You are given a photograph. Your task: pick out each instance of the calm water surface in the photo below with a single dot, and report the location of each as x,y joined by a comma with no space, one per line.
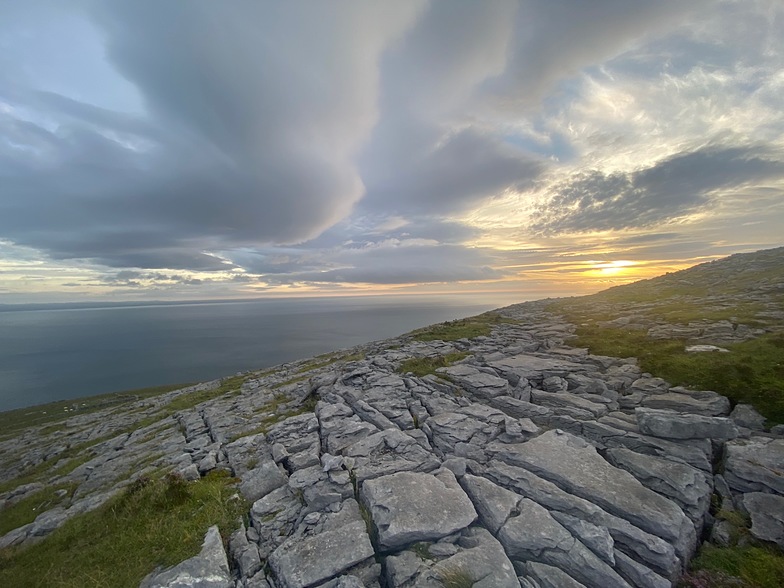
48,355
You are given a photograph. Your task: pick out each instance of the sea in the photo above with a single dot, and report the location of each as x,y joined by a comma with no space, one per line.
63,353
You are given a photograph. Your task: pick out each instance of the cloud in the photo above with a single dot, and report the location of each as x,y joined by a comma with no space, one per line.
595,201
380,142
407,262
257,111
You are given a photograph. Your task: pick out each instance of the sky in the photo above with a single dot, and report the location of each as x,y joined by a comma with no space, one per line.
518,149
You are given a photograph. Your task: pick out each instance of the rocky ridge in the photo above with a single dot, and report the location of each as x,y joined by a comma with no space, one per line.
526,463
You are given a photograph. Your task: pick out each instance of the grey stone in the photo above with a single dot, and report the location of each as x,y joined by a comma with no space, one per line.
521,409
484,560
549,576
767,516
637,574
190,473
672,425
387,452
745,415
582,407
705,349
480,384
261,480
402,568
457,465
755,465
709,405
300,561
535,368
689,487
648,548
408,507
695,453
209,569
722,534
494,504
535,535
574,465
594,537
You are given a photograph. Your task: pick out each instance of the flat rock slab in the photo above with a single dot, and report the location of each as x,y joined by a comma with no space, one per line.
767,516
261,480
710,405
532,367
408,507
756,465
689,487
574,465
672,425
209,569
301,562
534,535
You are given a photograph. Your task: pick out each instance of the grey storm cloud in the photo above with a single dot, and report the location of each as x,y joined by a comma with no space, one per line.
298,139
594,201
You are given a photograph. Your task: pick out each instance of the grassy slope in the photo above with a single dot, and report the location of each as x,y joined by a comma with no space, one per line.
731,289
154,523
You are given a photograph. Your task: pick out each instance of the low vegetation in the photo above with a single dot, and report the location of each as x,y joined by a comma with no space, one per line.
753,371
26,510
14,421
421,366
468,328
456,577
155,522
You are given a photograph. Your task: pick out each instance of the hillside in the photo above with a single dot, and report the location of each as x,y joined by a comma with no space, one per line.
524,447
735,304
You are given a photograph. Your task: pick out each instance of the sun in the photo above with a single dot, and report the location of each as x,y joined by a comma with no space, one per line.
613,268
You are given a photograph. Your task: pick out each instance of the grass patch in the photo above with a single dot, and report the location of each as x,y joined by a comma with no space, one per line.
154,523
468,328
13,421
757,567
276,415
752,372
186,401
421,366
456,577
26,510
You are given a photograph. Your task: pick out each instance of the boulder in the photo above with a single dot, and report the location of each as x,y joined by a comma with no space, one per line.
755,465
689,487
534,535
649,549
708,403
746,416
574,465
306,561
407,507
671,425
767,516
209,569
261,480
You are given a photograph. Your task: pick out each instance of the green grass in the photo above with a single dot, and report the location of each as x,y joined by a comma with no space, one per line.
186,401
752,372
13,421
468,328
757,567
456,577
421,366
26,510
154,523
